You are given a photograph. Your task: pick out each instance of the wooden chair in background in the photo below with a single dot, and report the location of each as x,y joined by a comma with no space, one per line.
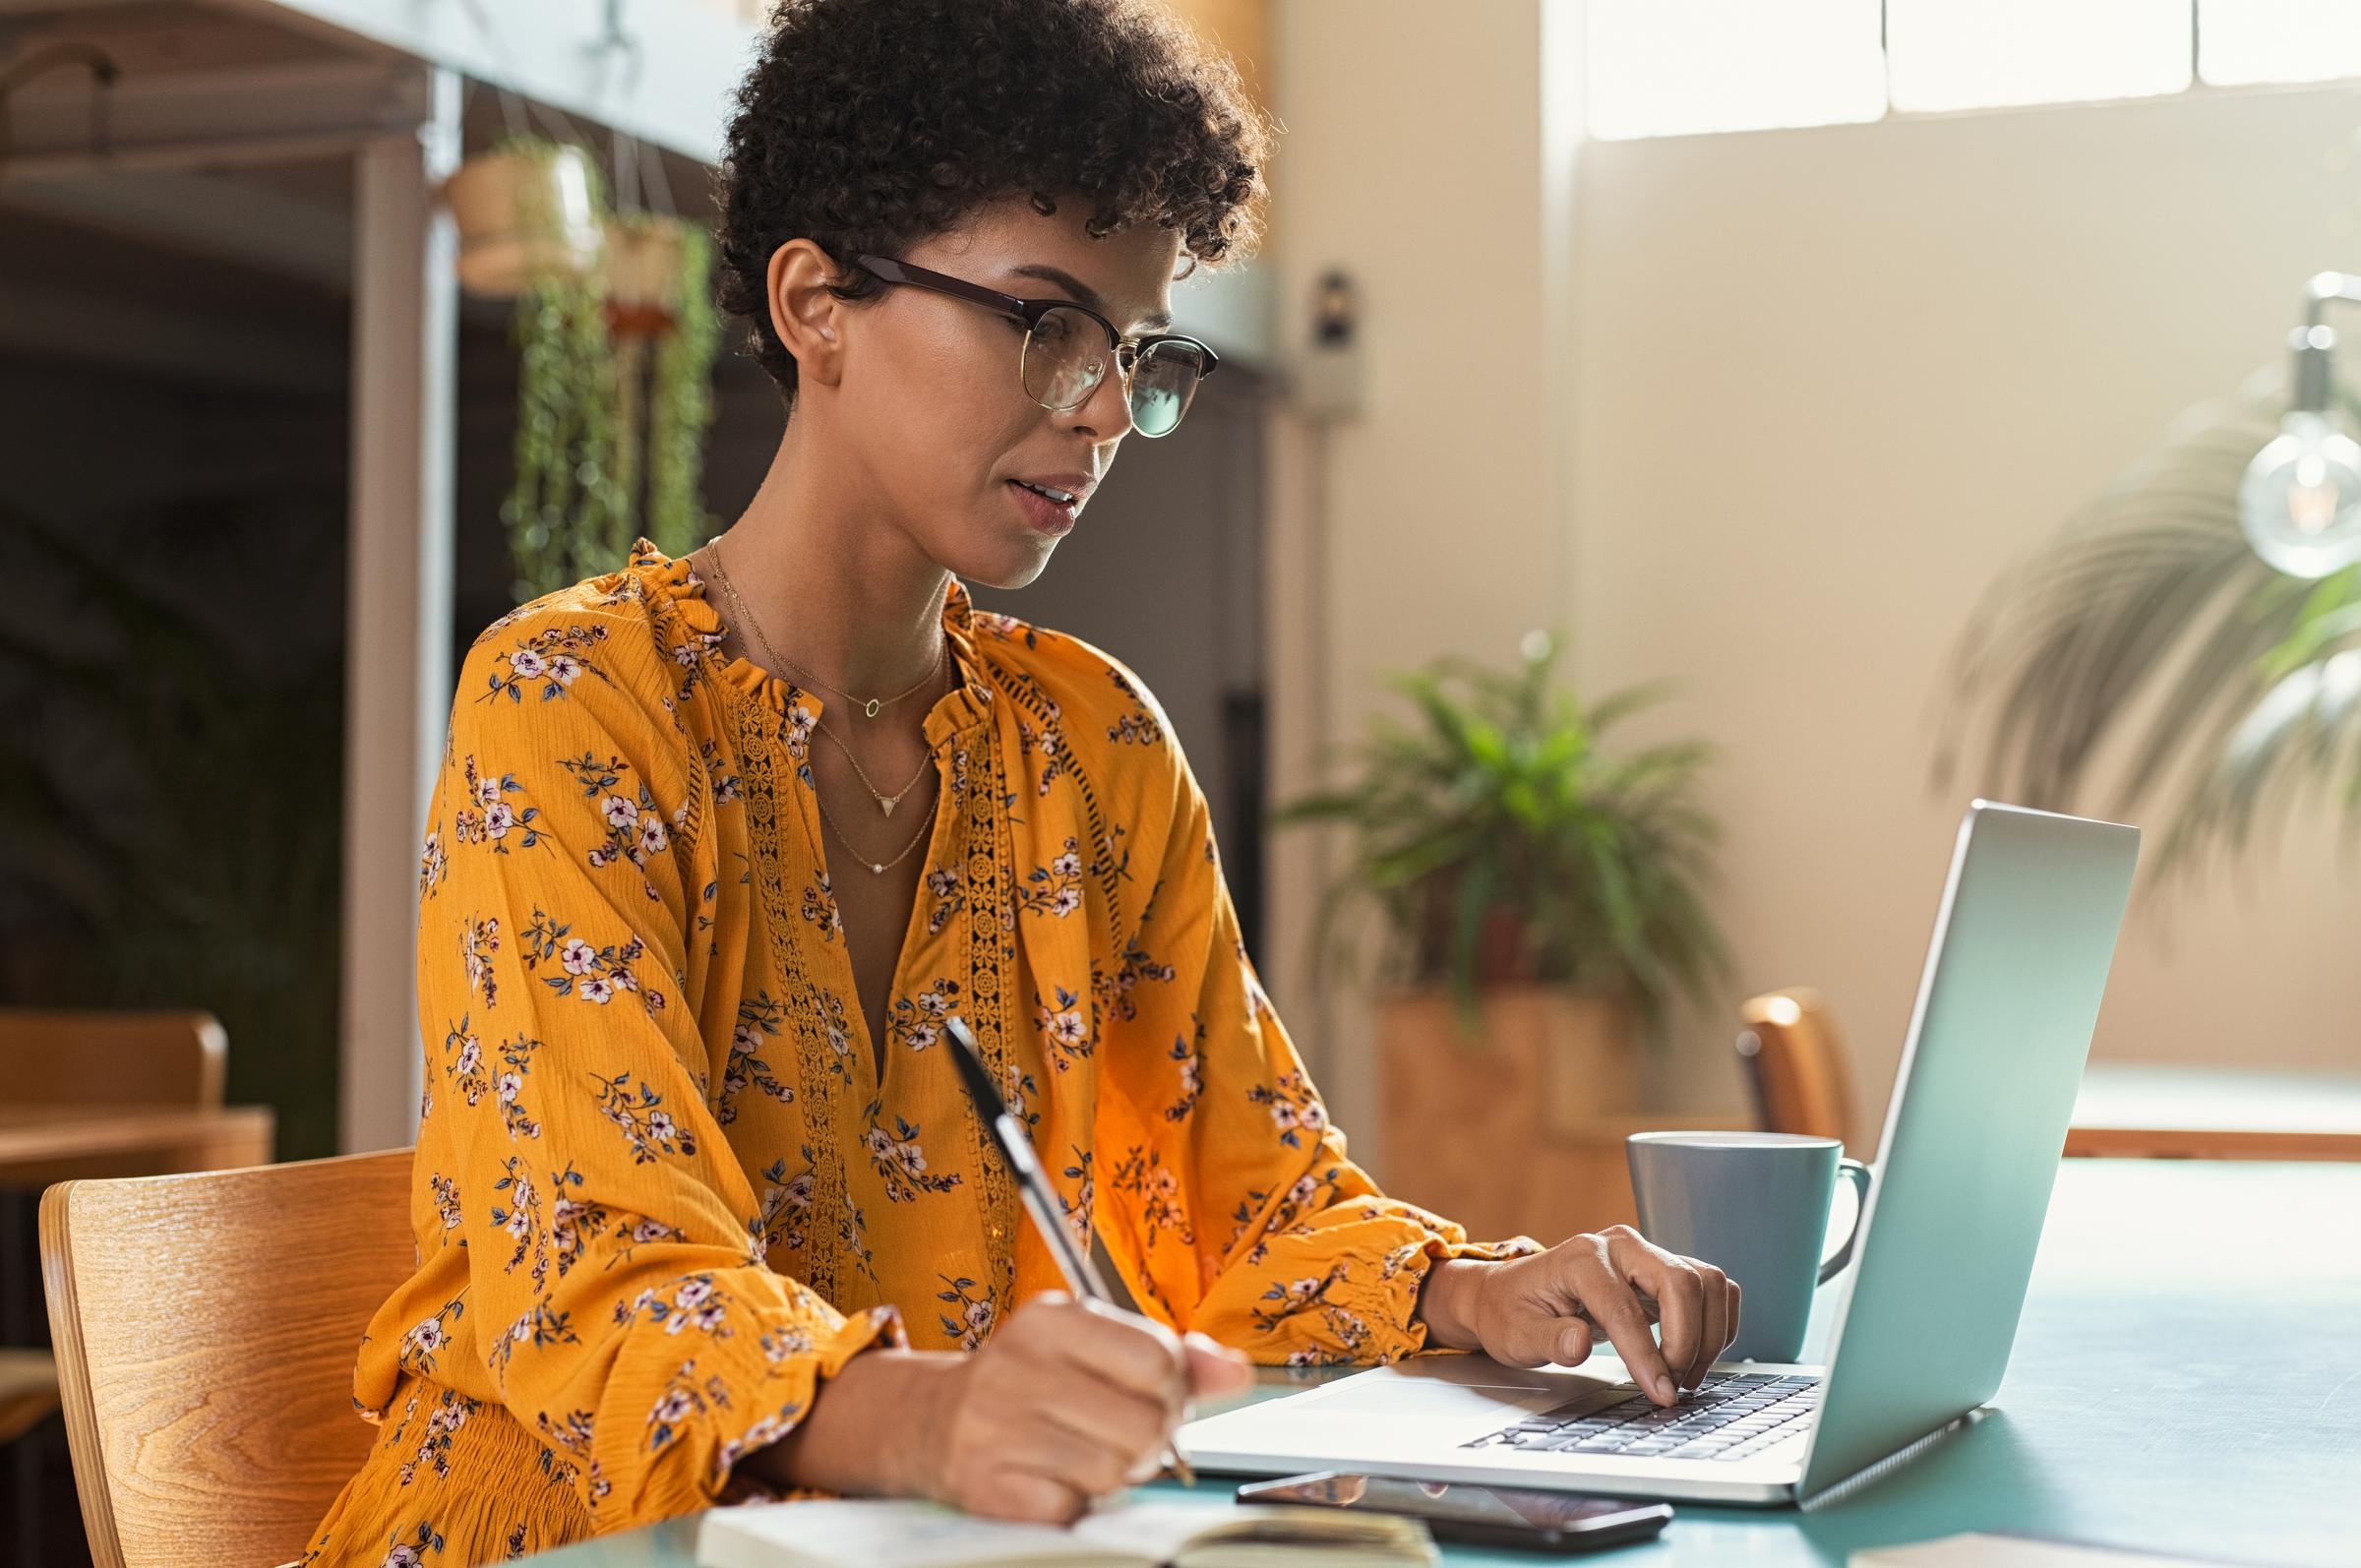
206,1327
1794,1062
68,1056
126,1079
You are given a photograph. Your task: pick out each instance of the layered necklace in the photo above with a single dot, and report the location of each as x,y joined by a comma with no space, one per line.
868,708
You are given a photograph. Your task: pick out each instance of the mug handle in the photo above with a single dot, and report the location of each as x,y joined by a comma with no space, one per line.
1859,1175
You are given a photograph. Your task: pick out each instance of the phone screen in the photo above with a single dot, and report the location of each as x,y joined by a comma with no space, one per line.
1454,1503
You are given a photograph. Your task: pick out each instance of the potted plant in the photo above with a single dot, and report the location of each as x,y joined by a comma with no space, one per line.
567,511
615,335
1542,900
524,211
659,310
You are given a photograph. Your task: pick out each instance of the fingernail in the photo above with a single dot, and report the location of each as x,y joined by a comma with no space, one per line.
1665,1389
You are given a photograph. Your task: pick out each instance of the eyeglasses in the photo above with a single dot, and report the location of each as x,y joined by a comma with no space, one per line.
1068,347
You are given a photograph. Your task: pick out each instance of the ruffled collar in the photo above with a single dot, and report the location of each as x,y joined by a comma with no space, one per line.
676,583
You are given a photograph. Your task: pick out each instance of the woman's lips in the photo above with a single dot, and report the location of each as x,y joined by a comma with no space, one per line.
1044,515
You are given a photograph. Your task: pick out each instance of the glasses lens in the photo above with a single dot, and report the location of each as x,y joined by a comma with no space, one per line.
1067,356
1163,381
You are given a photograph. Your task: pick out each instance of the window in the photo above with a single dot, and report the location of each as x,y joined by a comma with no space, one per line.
1947,54
1669,67
2278,40
1681,67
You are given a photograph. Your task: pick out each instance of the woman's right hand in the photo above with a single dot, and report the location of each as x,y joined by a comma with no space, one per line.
1066,1402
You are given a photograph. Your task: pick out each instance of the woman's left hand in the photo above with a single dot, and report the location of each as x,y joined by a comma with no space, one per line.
1551,1306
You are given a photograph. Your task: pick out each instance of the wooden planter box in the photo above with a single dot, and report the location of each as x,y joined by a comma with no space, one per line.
1520,1129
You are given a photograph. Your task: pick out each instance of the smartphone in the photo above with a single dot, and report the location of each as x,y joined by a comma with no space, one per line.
1478,1515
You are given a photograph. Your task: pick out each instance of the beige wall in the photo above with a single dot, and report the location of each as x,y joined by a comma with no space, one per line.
1834,381
1819,387
1412,157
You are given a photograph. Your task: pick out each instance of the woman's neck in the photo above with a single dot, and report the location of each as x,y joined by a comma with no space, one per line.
834,588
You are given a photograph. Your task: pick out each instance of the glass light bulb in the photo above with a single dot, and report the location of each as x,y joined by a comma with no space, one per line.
2300,501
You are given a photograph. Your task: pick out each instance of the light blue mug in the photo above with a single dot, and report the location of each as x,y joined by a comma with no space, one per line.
1756,1206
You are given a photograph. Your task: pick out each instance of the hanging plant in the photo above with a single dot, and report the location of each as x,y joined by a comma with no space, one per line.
526,210
565,509
567,514
681,405
614,366
660,309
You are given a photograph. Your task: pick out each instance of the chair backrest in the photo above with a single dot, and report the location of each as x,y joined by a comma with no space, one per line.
206,1327
58,1056
1794,1059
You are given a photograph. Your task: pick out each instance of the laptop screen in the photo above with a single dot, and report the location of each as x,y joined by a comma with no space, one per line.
2007,1003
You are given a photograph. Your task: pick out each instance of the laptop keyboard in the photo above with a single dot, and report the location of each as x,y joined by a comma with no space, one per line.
1731,1416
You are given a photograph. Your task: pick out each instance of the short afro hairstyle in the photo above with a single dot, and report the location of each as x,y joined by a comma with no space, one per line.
870,125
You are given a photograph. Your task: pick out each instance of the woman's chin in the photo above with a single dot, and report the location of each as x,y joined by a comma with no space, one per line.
1010,563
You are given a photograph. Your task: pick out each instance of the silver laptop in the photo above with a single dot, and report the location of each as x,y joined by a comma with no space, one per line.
2006,1006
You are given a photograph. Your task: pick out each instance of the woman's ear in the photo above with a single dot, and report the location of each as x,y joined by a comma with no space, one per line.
803,313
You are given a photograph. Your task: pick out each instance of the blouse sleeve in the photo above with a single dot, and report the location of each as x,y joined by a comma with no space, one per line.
1239,1212
616,1289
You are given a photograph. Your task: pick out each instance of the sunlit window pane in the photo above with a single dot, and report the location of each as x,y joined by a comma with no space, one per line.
1950,55
1673,67
2278,40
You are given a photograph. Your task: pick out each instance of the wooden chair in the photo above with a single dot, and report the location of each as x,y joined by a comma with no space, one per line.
28,1390
75,1056
57,1056
1794,1061
206,1327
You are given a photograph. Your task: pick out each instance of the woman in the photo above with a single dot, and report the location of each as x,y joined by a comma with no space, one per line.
721,842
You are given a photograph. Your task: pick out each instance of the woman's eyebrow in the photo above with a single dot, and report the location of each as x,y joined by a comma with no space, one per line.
1082,292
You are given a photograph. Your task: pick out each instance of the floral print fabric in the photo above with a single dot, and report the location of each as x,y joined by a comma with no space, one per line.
665,1185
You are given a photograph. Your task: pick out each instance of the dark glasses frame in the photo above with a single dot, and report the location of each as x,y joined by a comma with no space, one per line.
1127,350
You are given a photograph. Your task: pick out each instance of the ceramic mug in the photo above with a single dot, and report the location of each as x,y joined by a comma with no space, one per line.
1756,1206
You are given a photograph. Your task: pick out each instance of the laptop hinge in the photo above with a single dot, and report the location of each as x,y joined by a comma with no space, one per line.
1860,1480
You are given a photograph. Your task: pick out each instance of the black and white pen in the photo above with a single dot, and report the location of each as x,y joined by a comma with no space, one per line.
1033,1186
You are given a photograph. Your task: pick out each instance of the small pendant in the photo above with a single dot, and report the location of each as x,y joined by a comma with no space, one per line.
880,869
871,707
886,803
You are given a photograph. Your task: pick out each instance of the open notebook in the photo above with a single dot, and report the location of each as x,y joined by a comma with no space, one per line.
862,1533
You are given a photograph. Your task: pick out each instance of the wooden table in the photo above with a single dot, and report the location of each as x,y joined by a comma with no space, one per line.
2156,1110
2186,1380
41,1144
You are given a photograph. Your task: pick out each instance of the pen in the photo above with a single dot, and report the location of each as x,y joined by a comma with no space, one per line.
1041,1202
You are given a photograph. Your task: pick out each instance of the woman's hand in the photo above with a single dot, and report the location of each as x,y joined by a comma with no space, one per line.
1551,1306
1066,1401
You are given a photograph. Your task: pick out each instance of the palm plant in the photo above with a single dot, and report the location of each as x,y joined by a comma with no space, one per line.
2150,644
1501,842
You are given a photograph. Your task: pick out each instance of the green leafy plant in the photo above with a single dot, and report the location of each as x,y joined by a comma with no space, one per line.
568,512
172,793
1502,842
680,403
2149,657
614,395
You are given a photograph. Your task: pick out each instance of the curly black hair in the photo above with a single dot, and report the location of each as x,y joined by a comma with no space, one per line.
870,125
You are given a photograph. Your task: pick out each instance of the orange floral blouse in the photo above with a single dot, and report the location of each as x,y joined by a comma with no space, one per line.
662,1186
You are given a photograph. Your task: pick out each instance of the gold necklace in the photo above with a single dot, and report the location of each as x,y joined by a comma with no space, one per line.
881,868
886,802
868,706
721,572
